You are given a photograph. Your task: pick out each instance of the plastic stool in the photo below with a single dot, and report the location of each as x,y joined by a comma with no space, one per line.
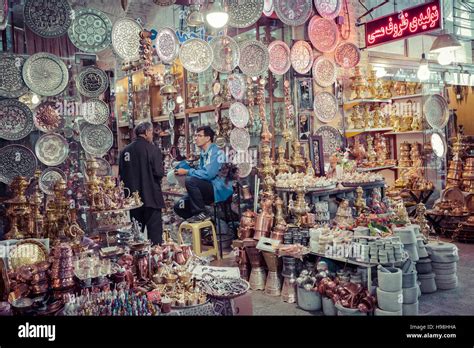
196,228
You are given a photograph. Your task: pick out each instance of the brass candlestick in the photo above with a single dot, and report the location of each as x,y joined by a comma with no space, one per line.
19,211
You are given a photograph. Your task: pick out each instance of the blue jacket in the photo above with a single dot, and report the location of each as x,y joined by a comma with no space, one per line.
210,162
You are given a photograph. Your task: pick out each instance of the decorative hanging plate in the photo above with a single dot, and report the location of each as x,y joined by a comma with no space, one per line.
96,139
92,82
245,168
47,117
323,34
47,18
347,55
438,144
239,115
96,111
268,7
167,45
332,139
45,74
27,252
16,160
294,12
254,58
244,13
453,194
279,57
328,8
196,55
325,106
237,86
11,81
301,57
226,52
16,120
91,30
324,71
52,149
240,139
126,39
436,111
48,179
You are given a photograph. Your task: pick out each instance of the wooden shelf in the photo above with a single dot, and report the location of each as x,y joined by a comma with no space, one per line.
366,101
353,132
374,169
407,96
409,132
226,105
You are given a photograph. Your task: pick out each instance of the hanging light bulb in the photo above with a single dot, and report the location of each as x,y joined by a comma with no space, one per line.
179,99
423,71
380,72
217,17
35,99
446,57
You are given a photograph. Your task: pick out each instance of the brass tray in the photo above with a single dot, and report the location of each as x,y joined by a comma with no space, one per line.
27,252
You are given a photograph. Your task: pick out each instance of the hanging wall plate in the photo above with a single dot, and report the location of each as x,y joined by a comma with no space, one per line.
237,86
325,106
302,57
52,149
91,30
268,7
438,144
167,45
226,53
47,18
254,58
328,8
47,117
239,115
16,120
295,12
48,179
11,80
244,13
280,62
45,74
92,82
436,111
324,71
16,160
347,55
96,139
196,55
332,139
126,39
96,111
323,34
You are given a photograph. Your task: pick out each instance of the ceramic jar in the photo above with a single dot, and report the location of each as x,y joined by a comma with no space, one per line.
390,281
389,301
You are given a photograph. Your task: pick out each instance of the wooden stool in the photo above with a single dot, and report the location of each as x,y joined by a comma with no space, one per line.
196,231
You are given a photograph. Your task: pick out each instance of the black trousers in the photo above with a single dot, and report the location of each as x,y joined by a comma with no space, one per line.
151,218
200,193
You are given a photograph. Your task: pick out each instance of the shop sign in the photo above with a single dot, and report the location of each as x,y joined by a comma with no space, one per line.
406,23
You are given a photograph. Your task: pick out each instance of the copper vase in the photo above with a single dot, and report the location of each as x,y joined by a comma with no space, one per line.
263,226
257,275
288,292
273,283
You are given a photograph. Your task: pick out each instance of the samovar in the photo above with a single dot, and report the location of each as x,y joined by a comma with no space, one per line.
373,85
264,221
273,282
379,118
297,160
300,208
368,120
400,88
257,275
358,85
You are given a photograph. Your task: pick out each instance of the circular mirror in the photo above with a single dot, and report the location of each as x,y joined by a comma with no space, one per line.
438,144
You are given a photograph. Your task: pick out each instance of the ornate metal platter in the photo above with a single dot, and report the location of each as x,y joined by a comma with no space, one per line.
167,45
332,139
96,139
294,12
347,55
3,14
92,82
226,52
52,149
47,18
45,74
268,7
237,86
328,8
91,30
436,111
27,252
301,57
240,139
96,111
325,106
164,2
244,13
16,120
239,115
48,178
196,55
280,61
47,117
323,34
245,167
254,58
16,160
453,194
324,71
11,81
126,39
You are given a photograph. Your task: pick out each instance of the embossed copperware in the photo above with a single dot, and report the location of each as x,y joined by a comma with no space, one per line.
273,283
45,74
257,275
96,139
47,18
324,71
167,45
280,61
16,160
301,56
16,120
47,117
237,86
91,30
294,13
347,55
52,149
11,80
323,34
254,58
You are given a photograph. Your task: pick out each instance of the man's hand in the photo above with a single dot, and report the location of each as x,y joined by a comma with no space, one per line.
181,171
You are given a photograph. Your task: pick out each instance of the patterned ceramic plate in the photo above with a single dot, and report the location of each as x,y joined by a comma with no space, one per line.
323,34
96,111
16,160
45,74
332,139
126,39
91,30
47,18
244,13
52,149
11,81
47,117
48,179
436,111
294,12
226,53
301,57
16,120
347,55
92,82
325,106
167,45
96,139
196,55
239,115
268,7
240,139
245,168
279,57
254,58
237,86
324,71
328,8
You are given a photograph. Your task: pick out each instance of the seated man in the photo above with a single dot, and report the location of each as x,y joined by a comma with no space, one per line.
204,184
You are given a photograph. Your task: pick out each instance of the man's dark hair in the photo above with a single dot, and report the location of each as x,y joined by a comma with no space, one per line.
142,128
208,132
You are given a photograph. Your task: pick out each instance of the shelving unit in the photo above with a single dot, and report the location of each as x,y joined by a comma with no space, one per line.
375,169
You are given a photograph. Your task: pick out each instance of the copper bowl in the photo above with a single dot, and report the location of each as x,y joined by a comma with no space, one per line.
40,288
38,278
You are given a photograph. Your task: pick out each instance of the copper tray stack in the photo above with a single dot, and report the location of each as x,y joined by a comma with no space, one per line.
468,175
62,273
405,160
454,173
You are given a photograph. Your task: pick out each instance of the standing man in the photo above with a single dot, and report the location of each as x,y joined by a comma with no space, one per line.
141,169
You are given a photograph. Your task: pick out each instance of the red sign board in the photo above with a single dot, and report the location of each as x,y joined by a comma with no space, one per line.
406,23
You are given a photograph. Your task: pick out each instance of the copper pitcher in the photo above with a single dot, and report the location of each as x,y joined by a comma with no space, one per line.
246,194
263,225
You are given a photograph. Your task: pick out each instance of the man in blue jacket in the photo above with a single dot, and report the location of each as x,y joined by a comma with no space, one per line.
204,185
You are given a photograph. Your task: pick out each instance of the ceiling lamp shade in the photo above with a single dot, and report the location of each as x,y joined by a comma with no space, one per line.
445,42
216,16
168,90
195,18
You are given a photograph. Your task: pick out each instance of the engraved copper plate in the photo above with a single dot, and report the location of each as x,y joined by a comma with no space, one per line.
294,12
47,117
325,106
268,7
91,30
52,149
11,81
47,18
48,179
16,120
92,82
453,194
126,39
244,13
226,53
27,252
96,111
167,45
324,71
239,114
280,61
16,160
45,74
237,86
332,139
323,34
96,139
301,57
254,58
436,111
347,55
328,8
196,55
240,139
